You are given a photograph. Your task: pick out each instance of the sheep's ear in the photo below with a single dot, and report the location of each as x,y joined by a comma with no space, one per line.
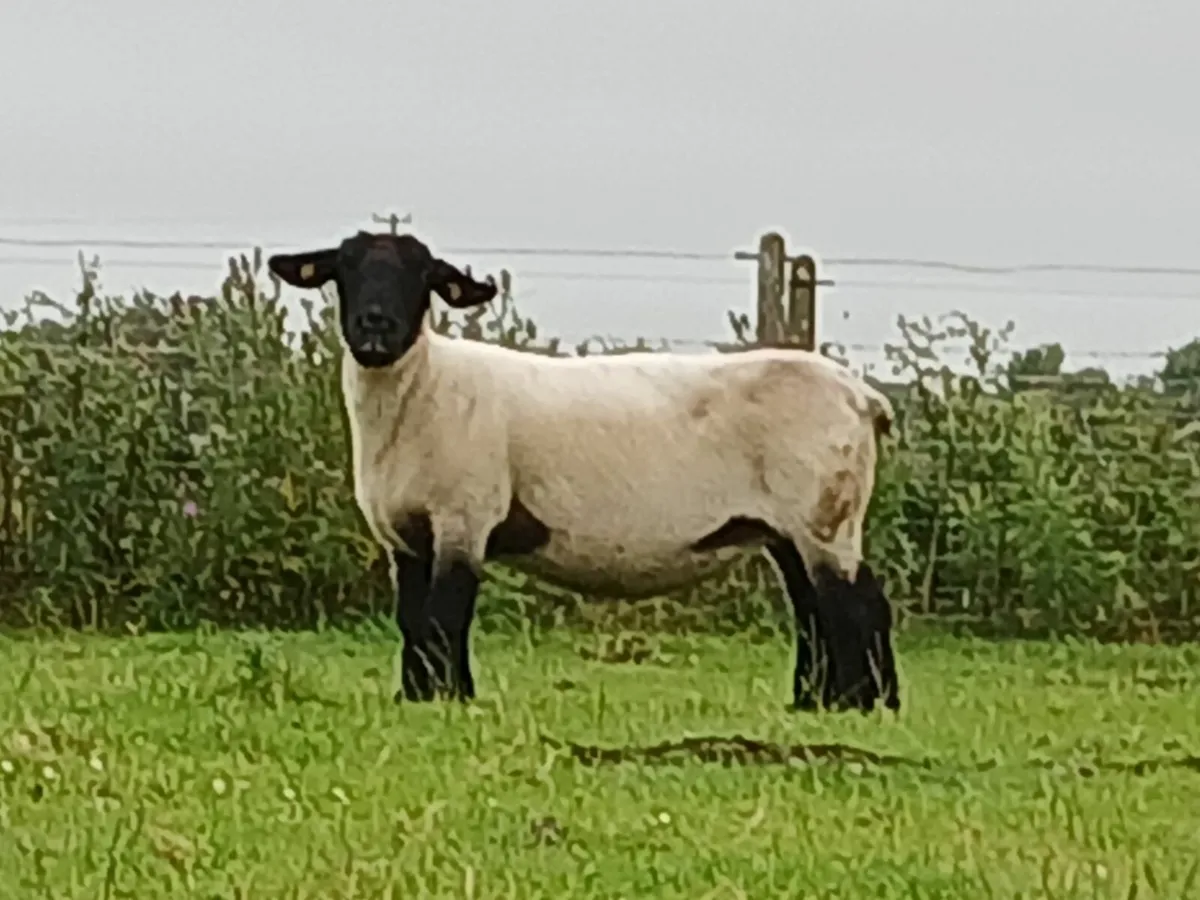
460,289
304,270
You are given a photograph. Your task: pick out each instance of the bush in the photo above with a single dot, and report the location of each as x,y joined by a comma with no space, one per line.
171,461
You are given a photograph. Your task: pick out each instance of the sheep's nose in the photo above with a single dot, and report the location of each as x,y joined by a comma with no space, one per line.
373,320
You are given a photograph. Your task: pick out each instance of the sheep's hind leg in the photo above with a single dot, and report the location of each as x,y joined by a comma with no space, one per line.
843,641
815,647
812,641
878,612
860,620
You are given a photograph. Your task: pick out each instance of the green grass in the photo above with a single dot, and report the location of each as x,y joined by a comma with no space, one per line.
277,766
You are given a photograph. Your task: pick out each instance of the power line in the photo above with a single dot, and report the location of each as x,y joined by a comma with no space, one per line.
1024,268
222,221
1101,354
588,253
633,253
967,287
194,265
179,264
1090,354
709,344
549,252
956,287
113,243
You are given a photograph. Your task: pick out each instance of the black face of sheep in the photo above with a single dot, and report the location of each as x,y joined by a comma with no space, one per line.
384,282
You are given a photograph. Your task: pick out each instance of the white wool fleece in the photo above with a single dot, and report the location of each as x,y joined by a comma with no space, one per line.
628,460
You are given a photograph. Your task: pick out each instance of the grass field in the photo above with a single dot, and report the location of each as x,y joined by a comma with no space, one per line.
261,766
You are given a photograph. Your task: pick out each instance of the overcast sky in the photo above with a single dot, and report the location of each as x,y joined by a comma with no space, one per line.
995,133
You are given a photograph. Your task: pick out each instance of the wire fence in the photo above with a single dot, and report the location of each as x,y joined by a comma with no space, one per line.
946,265
950,285
906,284
685,343
955,287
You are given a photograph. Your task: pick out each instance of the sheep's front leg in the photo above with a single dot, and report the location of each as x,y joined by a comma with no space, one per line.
413,576
445,642
434,609
435,603
413,573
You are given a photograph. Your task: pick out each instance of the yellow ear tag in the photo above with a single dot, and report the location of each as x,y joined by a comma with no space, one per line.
455,291
307,271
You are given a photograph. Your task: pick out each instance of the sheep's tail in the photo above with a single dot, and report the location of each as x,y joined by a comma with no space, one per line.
881,411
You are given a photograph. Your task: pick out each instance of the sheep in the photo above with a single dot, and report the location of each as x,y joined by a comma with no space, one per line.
627,475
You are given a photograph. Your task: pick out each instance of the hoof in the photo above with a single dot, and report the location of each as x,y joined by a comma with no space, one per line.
804,705
408,695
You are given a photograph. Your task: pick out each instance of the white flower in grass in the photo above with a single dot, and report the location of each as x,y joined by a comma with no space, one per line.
219,786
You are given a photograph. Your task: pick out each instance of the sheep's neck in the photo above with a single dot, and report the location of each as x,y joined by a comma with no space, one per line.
384,398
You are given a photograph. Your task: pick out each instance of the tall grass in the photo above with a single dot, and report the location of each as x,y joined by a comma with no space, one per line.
171,461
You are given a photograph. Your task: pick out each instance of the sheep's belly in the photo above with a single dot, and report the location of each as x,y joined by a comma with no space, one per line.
624,572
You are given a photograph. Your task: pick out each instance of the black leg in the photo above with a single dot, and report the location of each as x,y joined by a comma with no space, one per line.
871,590
851,684
860,626
812,645
435,617
446,639
435,604
844,644
414,572
412,587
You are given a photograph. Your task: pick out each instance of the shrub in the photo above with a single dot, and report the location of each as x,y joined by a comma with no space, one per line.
171,461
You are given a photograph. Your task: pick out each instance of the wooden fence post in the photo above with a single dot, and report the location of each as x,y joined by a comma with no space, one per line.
769,328
795,326
802,302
